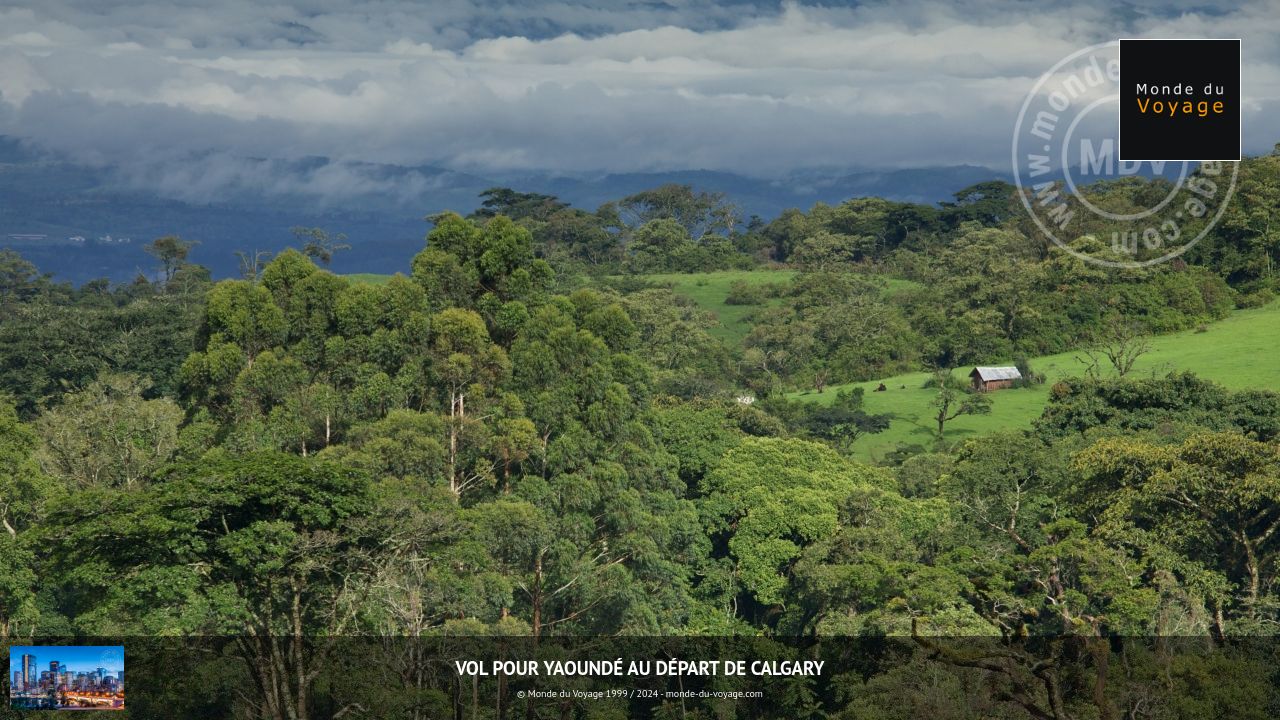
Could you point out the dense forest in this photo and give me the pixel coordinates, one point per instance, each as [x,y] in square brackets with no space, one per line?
[527,435]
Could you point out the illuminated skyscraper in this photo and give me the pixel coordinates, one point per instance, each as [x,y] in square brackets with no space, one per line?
[29,670]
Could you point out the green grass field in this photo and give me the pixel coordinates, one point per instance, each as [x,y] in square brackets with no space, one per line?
[709,290]
[1238,352]
[369,278]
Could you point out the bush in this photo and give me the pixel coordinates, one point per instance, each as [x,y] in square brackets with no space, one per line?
[743,293]
[953,381]
[1030,378]
[1255,299]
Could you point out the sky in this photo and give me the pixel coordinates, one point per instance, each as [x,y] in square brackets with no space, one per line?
[758,88]
[77,658]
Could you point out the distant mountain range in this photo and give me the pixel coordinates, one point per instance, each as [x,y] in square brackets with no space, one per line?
[82,221]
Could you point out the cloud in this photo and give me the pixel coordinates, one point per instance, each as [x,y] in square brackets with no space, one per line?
[756,88]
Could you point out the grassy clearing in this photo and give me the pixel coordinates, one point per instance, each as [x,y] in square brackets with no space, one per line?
[369,278]
[709,290]
[1238,352]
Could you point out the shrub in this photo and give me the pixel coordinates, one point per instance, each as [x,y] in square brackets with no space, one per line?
[1030,378]
[743,293]
[1255,299]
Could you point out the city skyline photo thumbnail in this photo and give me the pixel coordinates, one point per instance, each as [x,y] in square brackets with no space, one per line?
[66,677]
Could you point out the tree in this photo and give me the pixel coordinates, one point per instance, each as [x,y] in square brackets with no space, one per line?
[987,202]
[268,548]
[406,444]
[251,263]
[19,279]
[1177,400]
[824,251]
[984,295]
[578,234]
[1213,501]
[51,345]
[952,402]
[844,421]
[1246,243]
[23,488]
[107,435]
[785,233]
[517,205]
[1122,342]
[655,244]
[606,541]
[769,498]
[171,251]
[18,584]
[432,566]
[1038,576]
[246,314]
[466,363]
[312,412]
[778,347]
[698,212]
[879,570]
[464,265]
[318,244]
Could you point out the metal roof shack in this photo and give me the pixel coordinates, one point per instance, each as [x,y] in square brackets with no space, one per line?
[986,379]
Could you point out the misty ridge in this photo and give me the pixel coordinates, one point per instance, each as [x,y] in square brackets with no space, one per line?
[231,124]
[62,209]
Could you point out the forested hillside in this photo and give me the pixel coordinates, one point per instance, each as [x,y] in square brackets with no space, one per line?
[535,431]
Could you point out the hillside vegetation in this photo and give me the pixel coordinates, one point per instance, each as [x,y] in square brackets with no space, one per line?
[542,429]
[710,290]
[1238,352]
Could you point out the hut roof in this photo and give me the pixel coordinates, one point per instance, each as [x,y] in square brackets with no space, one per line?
[996,373]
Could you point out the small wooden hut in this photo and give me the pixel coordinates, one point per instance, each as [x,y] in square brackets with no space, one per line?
[986,379]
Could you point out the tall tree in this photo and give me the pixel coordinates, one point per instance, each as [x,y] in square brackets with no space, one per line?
[171,251]
[23,488]
[318,244]
[954,400]
[19,279]
[467,364]
[268,548]
[246,314]
[698,212]
[769,498]
[109,435]
[517,205]
[1212,501]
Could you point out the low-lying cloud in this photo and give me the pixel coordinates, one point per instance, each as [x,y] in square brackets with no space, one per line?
[754,88]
